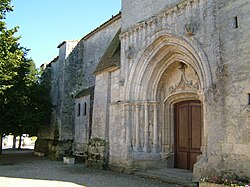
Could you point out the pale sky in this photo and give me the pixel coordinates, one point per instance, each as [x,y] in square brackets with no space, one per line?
[46,23]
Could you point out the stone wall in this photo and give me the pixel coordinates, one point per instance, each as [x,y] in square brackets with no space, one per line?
[96,153]
[101,112]
[82,123]
[135,11]
[206,29]
[80,69]
[137,44]
[68,52]
[72,73]
[133,109]
[46,131]
[229,144]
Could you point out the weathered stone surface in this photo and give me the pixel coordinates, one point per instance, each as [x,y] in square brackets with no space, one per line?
[135,11]
[71,75]
[170,52]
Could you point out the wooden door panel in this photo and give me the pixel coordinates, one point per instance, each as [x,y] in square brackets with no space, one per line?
[183,128]
[195,115]
[181,133]
[187,134]
[182,158]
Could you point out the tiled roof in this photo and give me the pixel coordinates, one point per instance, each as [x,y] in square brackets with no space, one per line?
[111,57]
[85,92]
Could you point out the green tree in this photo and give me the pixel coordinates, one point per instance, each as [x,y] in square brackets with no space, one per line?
[27,102]
[17,99]
[24,99]
[8,54]
[10,51]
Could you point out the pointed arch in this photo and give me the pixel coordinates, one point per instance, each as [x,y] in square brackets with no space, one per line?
[162,50]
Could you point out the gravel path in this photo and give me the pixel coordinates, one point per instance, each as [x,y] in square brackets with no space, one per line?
[18,166]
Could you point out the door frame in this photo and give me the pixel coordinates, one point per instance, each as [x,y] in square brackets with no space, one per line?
[168,135]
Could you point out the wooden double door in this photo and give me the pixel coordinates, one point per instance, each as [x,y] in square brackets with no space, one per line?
[187,133]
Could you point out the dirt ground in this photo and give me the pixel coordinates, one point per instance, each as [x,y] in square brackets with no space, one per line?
[22,168]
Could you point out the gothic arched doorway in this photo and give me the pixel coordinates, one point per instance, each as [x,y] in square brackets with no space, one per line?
[169,71]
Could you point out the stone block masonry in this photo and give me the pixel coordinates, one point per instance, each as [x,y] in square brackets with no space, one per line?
[174,89]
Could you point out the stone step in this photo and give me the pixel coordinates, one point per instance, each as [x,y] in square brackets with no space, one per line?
[175,176]
[180,174]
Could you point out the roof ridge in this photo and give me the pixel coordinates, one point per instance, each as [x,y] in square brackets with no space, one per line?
[105,24]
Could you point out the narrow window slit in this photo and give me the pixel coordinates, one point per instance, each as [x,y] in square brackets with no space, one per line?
[236,22]
[249,99]
[79,110]
[85,109]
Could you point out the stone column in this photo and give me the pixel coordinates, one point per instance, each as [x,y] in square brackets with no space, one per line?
[155,135]
[128,127]
[171,128]
[145,148]
[137,128]
[167,131]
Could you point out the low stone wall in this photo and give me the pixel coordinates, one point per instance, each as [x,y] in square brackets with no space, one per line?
[92,153]
[54,149]
[58,149]
[42,146]
[96,152]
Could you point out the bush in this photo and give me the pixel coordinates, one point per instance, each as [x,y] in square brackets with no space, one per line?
[229,181]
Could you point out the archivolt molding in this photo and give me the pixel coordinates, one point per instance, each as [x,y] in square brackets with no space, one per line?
[141,35]
[146,70]
[152,79]
[179,97]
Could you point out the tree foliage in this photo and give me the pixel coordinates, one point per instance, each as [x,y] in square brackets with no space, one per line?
[11,53]
[24,100]
[27,102]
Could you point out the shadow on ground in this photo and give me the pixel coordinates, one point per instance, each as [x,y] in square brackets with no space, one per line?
[18,166]
[22,168]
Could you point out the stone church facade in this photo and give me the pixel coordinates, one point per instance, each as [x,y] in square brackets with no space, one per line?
[164,83]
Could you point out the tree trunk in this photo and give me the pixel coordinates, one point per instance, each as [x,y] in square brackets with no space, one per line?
[14,142]
[1,143]
[20,142]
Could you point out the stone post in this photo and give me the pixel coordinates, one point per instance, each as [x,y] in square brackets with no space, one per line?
[146,128]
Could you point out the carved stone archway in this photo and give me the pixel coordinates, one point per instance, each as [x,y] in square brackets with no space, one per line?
[185,89]
[150,63]
[148,110]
